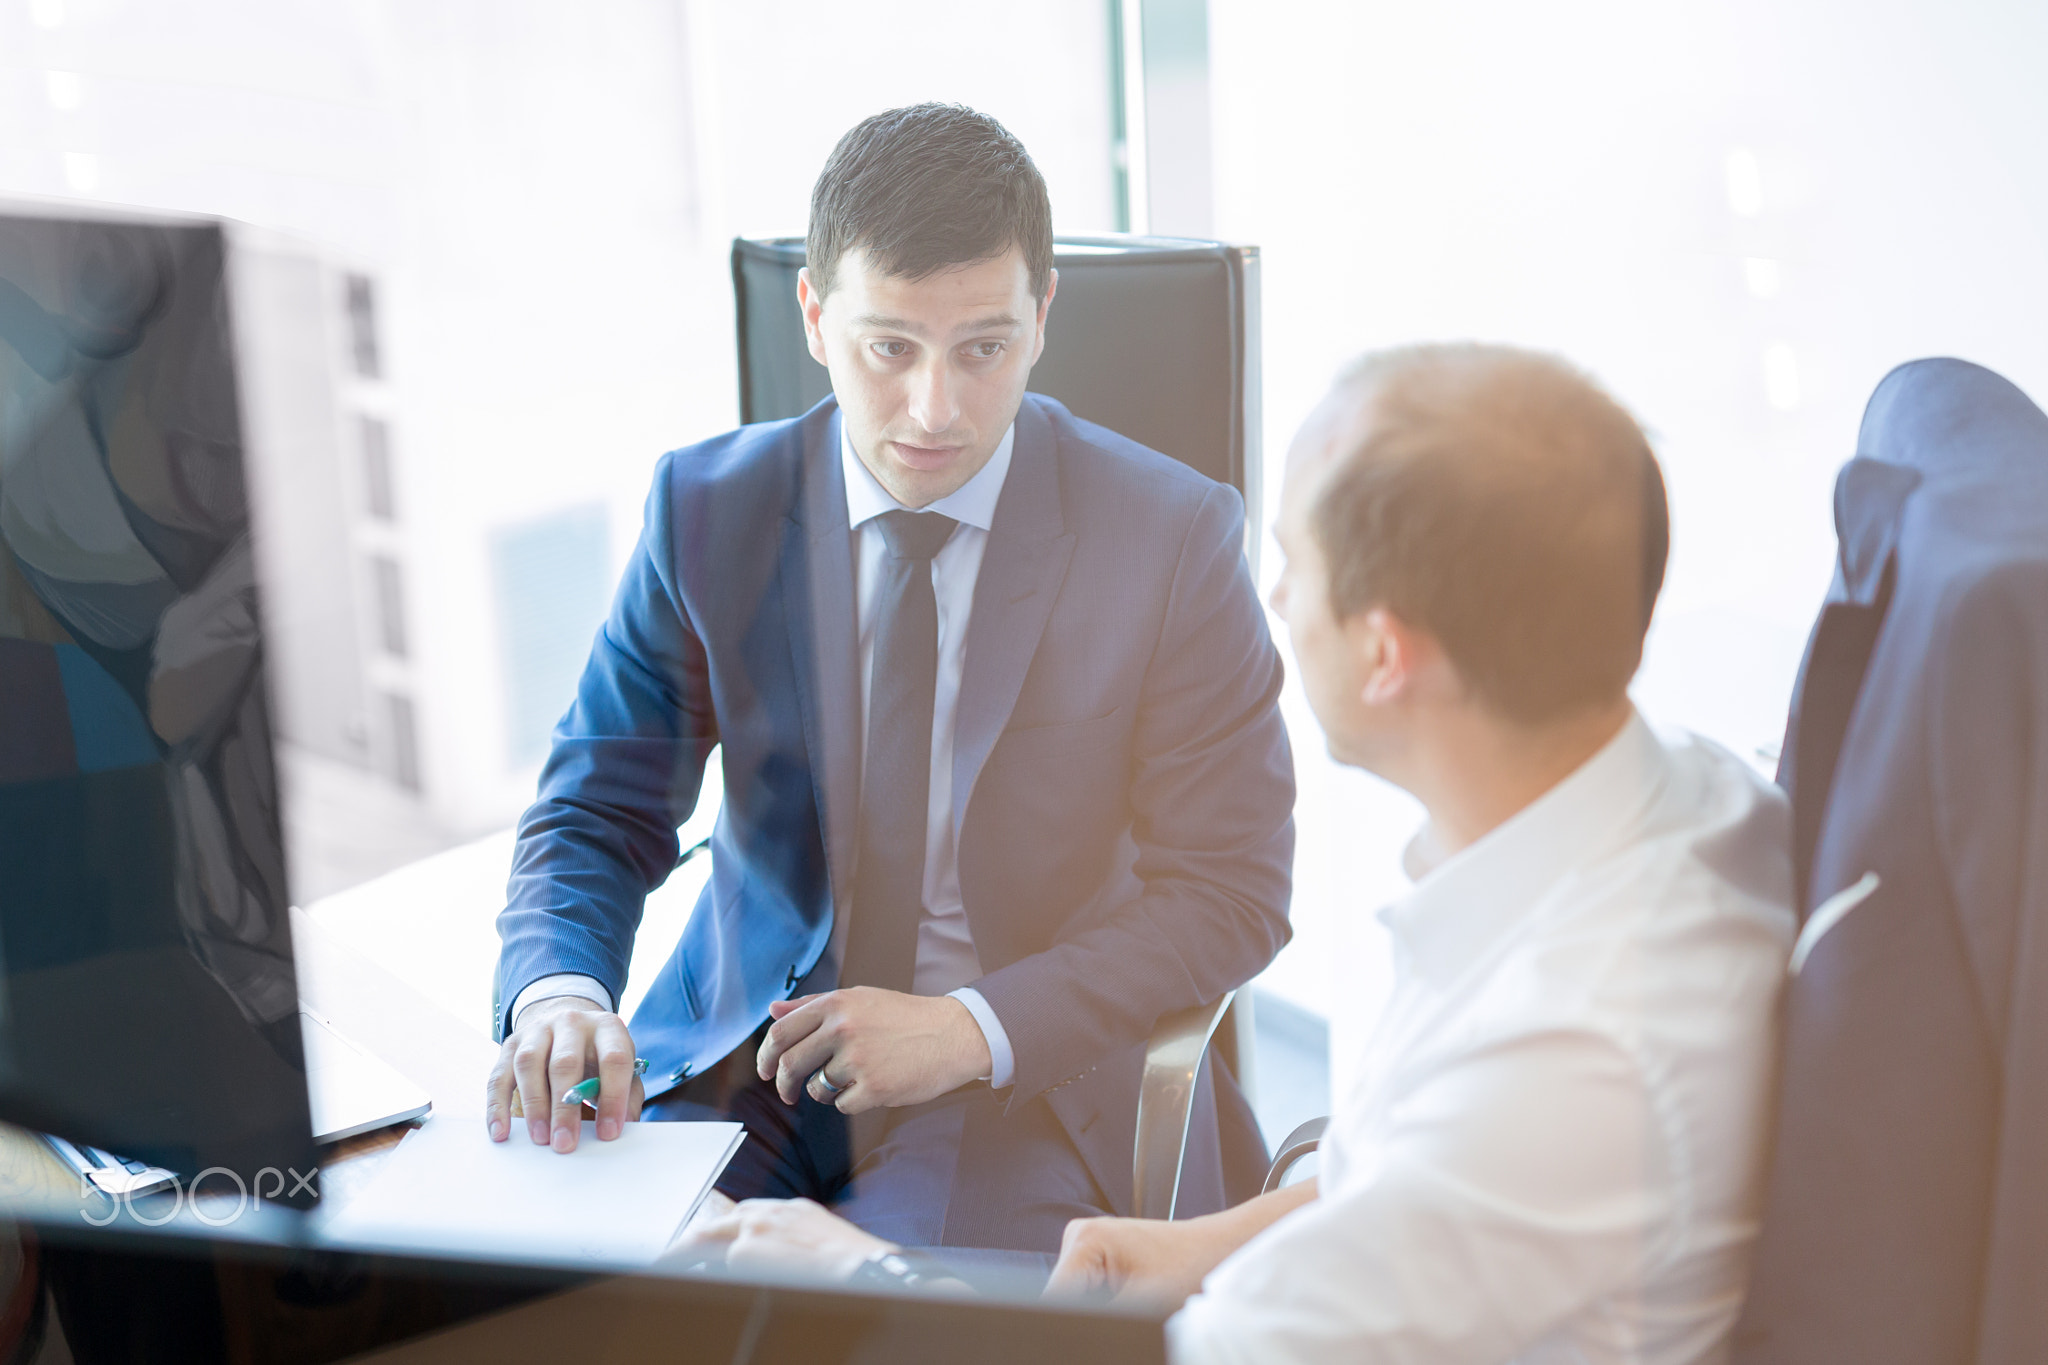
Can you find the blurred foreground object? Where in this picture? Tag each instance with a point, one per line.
(151, 1006)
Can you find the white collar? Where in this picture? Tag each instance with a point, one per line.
(1461, 905)
(973, 502)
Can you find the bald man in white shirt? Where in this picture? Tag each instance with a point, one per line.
(1553, 1149)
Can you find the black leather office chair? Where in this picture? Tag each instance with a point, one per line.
(1153, 337)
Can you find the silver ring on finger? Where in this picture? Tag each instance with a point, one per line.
(825, 1084)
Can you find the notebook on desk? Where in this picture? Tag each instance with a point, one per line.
(449, 1190)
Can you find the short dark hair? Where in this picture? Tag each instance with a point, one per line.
(927, 187)
(1499, 500)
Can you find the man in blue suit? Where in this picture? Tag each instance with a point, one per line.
(1005, 780)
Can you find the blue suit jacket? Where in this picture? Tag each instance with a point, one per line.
(1122, 781)
(1907, 1215)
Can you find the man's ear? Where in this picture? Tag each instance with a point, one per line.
(810, 304)
(1388, 653)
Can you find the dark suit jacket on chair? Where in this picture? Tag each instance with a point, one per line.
(1122, 781)
(1907, 1214)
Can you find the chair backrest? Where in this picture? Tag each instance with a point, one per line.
(1906, 1215)
(1153, 337)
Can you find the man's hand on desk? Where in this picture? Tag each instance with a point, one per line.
(780, 1234)
(1152, 1261)
(554, 1044)
(865, 1048)
(1135, 1260)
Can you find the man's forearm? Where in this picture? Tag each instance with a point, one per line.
(1211, 1239)
(1240, 1224)
(1151, 1259)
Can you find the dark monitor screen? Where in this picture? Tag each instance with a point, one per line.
(147, 998)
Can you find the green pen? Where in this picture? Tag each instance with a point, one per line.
(585, 1092)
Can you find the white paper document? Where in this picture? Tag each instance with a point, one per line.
(449, 1189)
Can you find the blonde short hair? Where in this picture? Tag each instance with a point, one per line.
(1500, 500)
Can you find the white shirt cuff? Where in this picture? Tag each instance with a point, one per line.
(1002, 1062)
(561, 983)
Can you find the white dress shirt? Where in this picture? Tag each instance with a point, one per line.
(1553, 1148)
(946, 960)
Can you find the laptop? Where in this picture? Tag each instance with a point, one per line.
(351, 1089)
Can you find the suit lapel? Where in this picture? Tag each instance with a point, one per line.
(817, 578)
(1021, 572)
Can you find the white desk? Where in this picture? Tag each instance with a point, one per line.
(432, 924)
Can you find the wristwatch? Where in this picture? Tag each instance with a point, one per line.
(898, 1269)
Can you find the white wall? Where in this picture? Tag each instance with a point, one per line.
(546, 194)
(517, 178)
(554, 319)
(780, 83)
(1737, 215)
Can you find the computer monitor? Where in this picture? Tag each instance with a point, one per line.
(148, 1003)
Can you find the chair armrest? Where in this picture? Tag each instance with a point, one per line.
(1173, 1061)
(1236, 1045)
(1305, 1138)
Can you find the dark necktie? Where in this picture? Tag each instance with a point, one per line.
(888, 882)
